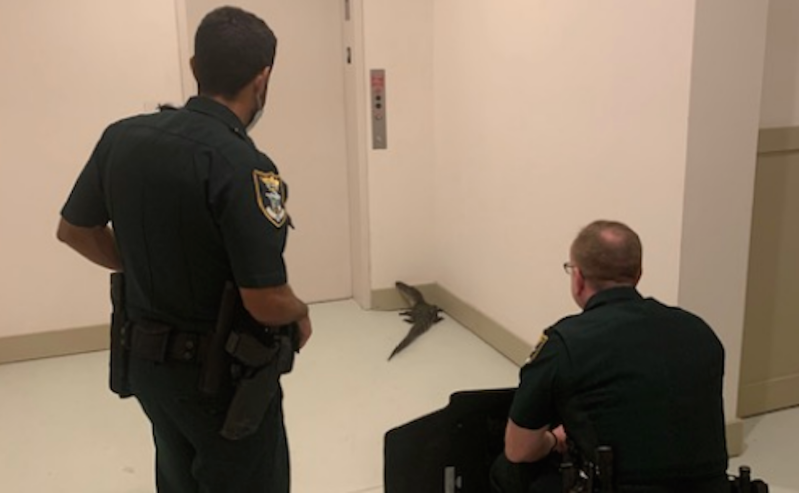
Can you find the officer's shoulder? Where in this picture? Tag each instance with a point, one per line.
(265, 163)
(241, 153)
(132, 121)
(675, 311)
(116, 128)
(551, 339)
(565, 325)
(688, 320)
(559, 333)
(246, 157)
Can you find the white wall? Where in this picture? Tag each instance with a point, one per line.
(399, 38)
(780, 104)
(69, 69)
(726, 79)
(550, 115)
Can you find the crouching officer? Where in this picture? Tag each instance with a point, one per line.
(195, 205)
(628, 373)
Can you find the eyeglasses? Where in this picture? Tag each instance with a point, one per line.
(568, 267)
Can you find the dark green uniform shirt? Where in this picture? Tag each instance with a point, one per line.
(637, 375)
(193, 204)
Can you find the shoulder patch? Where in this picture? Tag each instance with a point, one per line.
(270, 197)
(537, 349)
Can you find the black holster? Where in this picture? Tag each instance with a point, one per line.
(261, 364)
(252, 357)
(120, 338)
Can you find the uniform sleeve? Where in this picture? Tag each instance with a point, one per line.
(248, 200)
(534, 403)
(86, 204)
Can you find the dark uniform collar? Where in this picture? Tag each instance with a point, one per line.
(612, 295)
(215, 109)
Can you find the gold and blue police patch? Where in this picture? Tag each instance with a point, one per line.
(537, 349)
(269, 191)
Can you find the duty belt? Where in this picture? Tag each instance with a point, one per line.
(159, 342)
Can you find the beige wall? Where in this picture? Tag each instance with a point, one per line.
(729, 47)
(780, 107)
(549, 115)
(399, 38)
(69, 69)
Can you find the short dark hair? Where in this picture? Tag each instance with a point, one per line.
(230, 48)
(608, 253)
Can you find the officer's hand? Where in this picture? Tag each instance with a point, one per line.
(304, 326)
(560, 434)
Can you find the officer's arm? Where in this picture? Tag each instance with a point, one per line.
(523, 445)
(274, 306)
(95, 243)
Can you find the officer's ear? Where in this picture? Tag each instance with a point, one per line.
(579, 279)
(262, 80)
(578, 287)
(193, 68)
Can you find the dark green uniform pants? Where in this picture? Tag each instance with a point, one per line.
(191, 456)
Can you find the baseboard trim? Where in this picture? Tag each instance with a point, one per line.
(55, 343)
(785, 139)
(771, 395)
(498, 337)
(389, 299)
(501, 339)
(735, 437)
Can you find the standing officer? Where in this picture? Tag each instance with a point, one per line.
(193, 205)
(629, 373)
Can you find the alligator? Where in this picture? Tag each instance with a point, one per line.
(422, 315)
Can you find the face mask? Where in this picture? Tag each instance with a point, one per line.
(257, 115)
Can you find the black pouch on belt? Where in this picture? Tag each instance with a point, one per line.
(120, 342)
(150, 340)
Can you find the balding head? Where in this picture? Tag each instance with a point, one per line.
(605, 254)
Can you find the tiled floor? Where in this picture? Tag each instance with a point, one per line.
(62, 431)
